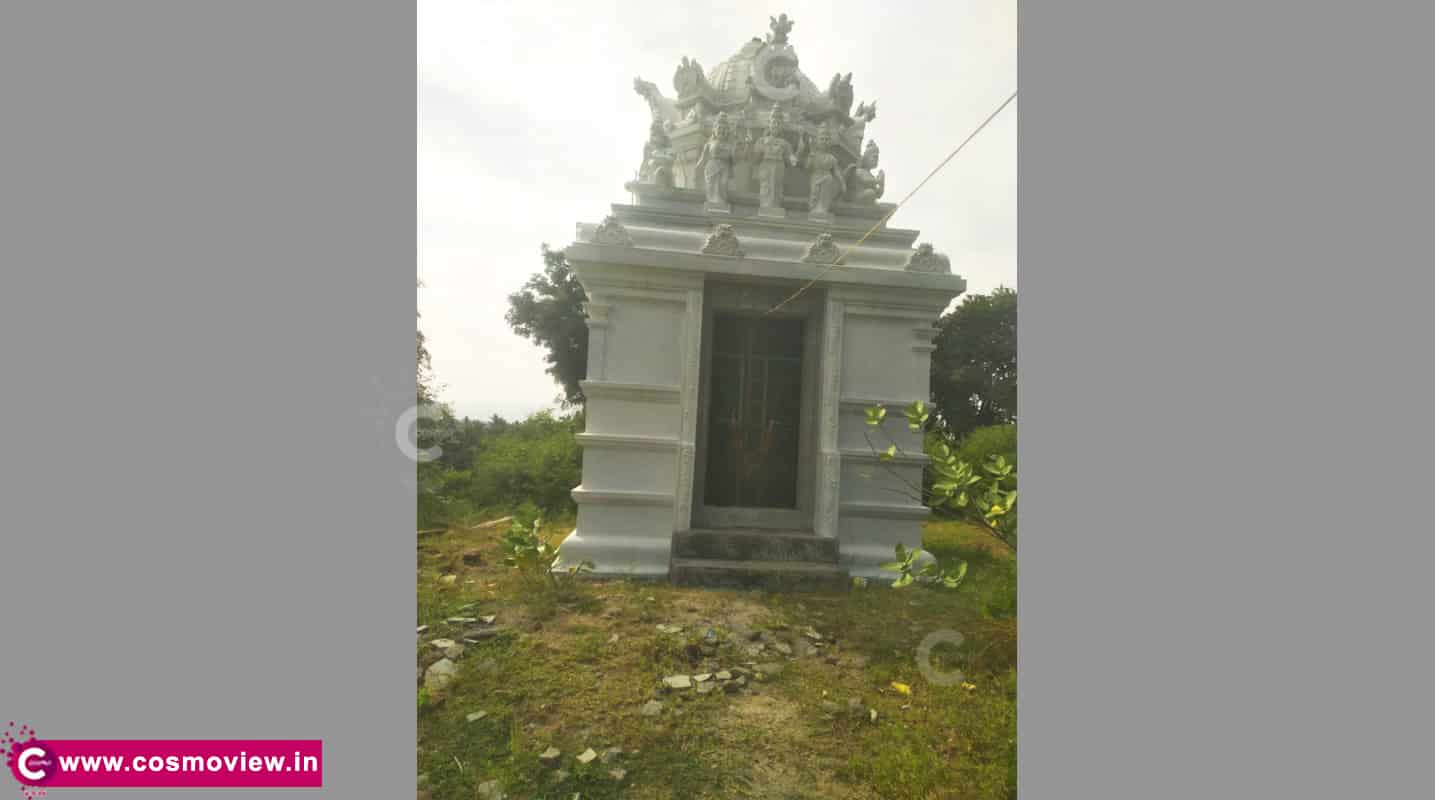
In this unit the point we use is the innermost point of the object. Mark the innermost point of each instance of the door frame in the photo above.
(752, 300)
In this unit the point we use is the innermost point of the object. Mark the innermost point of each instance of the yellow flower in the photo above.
(902, 687)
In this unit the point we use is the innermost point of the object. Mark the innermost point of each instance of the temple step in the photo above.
(774, 576)
(754, 545)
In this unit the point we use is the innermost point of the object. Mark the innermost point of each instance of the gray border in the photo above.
(206, 303)
(1224, 400)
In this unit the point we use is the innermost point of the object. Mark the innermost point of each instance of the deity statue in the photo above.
(780, 26)
(658, 157)
(716, 162)
(827, 182)
(863, 185)
(776, 155)
(839, 91)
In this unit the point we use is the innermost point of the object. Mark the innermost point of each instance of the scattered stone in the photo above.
(493, 523)
(610, 754)
(587, 756)
(561, 775)
(678, 682)
(830, 707)
(442, 644)
(771, 668)
(705, 676)
(439, 675)
(423, 629)
(704, 688)
(812, 634)
(664, 627)
(784, 648)
(872, 712)
(476, 716)
(618, 774)
(461, 620)
(491, 790)
(735, 685)
(652, 708)
(454, 650)
(724, 675)
(550, 756)
(476, 636)
(755, 650)
(448, 579)
(488, 619)
(613, 639)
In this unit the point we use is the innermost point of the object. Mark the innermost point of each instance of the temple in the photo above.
(743, 311)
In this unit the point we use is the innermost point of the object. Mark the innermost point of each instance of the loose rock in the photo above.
(610, 755)
(488, 619)
(442, 644)
(652, 708)
(724, 675)
(491, 790)
(618, 773)
(678, 682)
(550, 756)
(448, 579)
(439, 675)
(476, 716)
(587, 756)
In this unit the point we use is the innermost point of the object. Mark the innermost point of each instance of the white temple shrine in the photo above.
(737, 332)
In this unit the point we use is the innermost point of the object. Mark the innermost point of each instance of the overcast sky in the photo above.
(528, 124)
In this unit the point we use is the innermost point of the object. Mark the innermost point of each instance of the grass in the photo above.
(556, 676)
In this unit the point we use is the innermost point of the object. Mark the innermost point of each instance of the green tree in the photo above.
(549, 310)
(974, 365)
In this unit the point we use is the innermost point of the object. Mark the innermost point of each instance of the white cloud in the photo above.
(528, 124)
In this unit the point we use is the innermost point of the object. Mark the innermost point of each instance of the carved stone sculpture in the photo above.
(823, 250)
(723, 242)
(658, 157)
(924, 259)
(827, 183)
(863, 185)
(611, 231)
(780, 26)
(776, 155)
(839, 91)
(716, 164)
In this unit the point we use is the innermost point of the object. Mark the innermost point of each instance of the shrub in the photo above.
(980, 445)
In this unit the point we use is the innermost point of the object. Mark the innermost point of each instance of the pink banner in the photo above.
(155, 763)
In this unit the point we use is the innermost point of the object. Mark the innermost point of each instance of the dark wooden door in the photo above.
(755, 411)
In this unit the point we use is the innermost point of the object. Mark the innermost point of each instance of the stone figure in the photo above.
(823, 250)
(716, 163)
(780, 26)
(689, 78)
(839, 91)
(863, 185)
(723, 242)
(658, 157)
(827, 183)
(776, 155)
(925, 259)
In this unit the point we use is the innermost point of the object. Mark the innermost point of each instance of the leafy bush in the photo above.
(984, 495)
(932, 573)
(979, 446)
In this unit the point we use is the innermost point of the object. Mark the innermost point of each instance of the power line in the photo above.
(888, 215)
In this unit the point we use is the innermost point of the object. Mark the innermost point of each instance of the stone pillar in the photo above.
(829, 455)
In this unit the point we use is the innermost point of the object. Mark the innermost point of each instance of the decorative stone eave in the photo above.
(758, 265)
(681, 206)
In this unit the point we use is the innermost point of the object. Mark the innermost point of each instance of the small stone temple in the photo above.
(738, 330)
